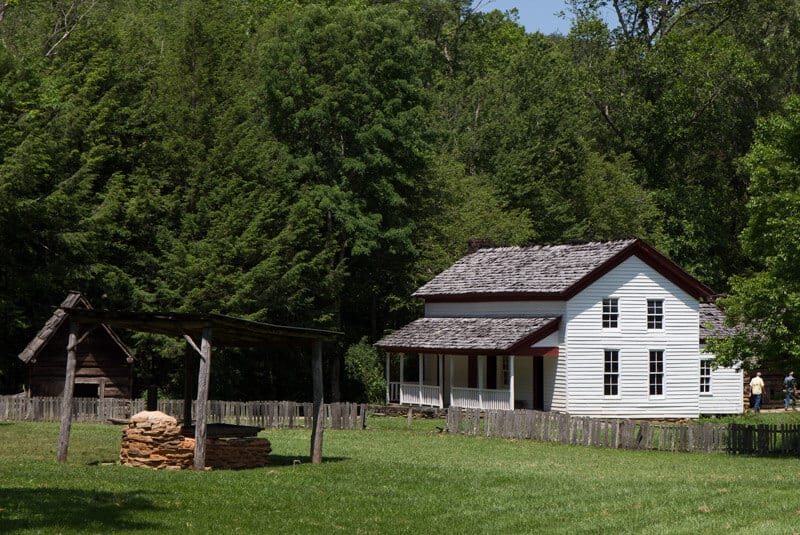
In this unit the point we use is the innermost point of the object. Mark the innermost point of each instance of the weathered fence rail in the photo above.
(608, 433)
(783, 439)
(267, 414)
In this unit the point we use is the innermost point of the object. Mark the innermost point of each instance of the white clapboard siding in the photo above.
(727, 390)
(633, 282)
(494, 309)
(555, 382)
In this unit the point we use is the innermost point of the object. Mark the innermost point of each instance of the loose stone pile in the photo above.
(155, 440)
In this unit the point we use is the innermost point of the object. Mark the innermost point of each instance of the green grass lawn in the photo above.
(389, 479)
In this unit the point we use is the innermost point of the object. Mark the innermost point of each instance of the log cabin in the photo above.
(104, 367)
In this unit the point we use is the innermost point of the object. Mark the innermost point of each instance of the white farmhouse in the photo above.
(596, 329)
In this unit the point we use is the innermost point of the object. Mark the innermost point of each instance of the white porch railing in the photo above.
(416, 394)
(476, 398)
(394, 392)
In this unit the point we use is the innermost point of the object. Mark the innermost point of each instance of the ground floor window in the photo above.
(656, 372)
(505, 367)
(705, 376)
(611, 372)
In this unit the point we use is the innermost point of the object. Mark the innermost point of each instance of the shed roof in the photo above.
(227, 330)
(546, 271)
(712, 323)
(74, 301)
(469, 335)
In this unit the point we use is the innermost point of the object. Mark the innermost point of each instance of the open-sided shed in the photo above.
(199, 331)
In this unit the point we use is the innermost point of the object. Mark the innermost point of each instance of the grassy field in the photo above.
(393, 480)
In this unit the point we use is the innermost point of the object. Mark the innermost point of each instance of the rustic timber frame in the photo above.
(198, 330)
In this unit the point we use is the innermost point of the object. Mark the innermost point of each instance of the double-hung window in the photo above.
(655, 314)
(610, 313)
(705, 376)
(611, 372)
(656, 372)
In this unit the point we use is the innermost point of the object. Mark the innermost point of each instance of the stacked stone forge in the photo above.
(156, 440)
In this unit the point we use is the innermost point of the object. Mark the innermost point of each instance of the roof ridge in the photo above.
(570, 243)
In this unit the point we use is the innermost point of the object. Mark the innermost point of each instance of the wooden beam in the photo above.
(82, 338)
(202, 400)
(191, 343)
(69, 386)
(319, 420)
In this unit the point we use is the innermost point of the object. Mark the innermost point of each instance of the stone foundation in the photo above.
(156, 440)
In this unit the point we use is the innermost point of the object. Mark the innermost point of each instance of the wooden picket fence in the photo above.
(783, 439)
(266, 414)
(603, 432)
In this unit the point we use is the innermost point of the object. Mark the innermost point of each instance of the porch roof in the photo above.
(485, 336)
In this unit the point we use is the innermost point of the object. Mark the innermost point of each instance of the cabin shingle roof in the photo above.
(546, 271)
(485, 335)
(51, 327)
(712, 323)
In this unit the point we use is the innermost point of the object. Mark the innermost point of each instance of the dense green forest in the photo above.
(313, 162)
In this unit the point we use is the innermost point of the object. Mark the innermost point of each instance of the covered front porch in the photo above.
(446, 393)
(476, 363)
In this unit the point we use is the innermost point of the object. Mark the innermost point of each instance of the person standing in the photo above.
(789, 389)
(756, 391)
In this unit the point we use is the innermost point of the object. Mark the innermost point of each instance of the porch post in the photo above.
(402, 374)
(451, 379)
(440, 359)
(481, 379)
(388, 379)
(420, 356)
(511, 380)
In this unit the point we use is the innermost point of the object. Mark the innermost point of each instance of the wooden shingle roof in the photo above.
(469, 335)
(712, 323)
(546, 272)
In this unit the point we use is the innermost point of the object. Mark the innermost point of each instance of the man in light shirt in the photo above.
(756, 390)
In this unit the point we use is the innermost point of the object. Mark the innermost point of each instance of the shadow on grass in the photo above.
(54, 509)
(289, 460)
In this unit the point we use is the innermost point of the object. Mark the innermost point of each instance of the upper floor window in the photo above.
(655, 314)
(656, 373)
(611, 372)
(705, 376)
(610, 313)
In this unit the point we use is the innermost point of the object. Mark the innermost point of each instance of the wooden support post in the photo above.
(188, 372)
(202, 401)
(402, 375)
(481, 379)
(319, 420)
(511, 380)
(440, 379)
(388, 379)
(69, 386)
(420, 356)
(452, 374)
